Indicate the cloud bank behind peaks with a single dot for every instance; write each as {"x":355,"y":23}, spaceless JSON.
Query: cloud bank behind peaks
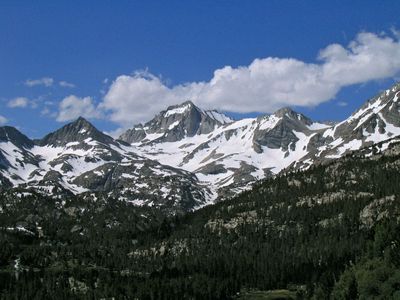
{"x":72,"y":107}
{"x":263,"y":86}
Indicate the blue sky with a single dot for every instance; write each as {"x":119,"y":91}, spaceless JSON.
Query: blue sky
{"x":173,"y":48}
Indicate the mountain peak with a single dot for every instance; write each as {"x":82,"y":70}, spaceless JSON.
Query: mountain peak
{"x":180,"y":109}
{"x":175,"y":123}
{"x":384,"y":102}
{"x":81,"y":122}
{"x":76,"y":131}
{"x":188,"y":107}
{"x":82,"y":119}
{"x":285,"y":111}
{"x":11,"y":134}
{"x":187,"y":102}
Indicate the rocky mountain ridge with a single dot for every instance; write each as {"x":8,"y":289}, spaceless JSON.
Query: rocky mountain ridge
{"x":235,"y":154}
{"x":187,"y":157}
{"x":79,"y":159}
{"x":176,"y":123}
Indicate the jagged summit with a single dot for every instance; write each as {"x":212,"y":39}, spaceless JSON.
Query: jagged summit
{"x":377,"y":120}
{"x":176,"y":123}
{"x":188,"y":104}
{"x":187,"y":107}
{"x":11,"y":134}
{"x":197,"y":146}
{"x":78,"y":158}
{"x":386,"y":97}
{"x":289,"y":113}
{"x":184,"y":108}
{"x":76,"y":131}
{"x":285,"y":111}
{"x":233,"y":154}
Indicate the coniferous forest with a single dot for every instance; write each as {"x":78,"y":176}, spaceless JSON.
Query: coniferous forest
{"x":330,"y":232}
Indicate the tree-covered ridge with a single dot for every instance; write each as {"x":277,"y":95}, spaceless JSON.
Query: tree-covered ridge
{"x":300,"y":230}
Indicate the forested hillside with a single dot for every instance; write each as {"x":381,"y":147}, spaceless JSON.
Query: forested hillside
{"x":331,"y":231}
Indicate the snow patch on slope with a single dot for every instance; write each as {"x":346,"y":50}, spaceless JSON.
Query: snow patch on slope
{"x":178,"y":110}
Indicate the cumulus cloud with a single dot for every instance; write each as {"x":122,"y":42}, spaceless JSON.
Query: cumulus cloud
{"x":3,"y":120}
{"x":20,"y":102}
{"x":265,"y":85}
{"x":73,"y":107}
{"x":45,"y":81}
{"x":66,"y":84}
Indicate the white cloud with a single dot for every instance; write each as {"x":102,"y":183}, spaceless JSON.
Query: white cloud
{"x":45,"y":111}
{"x":3,"y":120}
{"x":342,"y":103}
{"x":45,"y":81}
{"x":73,"y":107}
{"x":263,"y":86}
{"x":20,"y":102}
{"x":66,"y":84}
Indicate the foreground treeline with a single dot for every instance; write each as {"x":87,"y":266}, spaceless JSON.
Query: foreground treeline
{"x":329,"y":232}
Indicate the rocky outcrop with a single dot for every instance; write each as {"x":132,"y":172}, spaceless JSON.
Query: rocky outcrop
{"x":175,"y":123}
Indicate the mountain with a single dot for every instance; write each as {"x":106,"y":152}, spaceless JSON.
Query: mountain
{"x":14,"y":152}
{"x":377,"y":120}
{"x":79,"y":132}
{"x":233,"y":155}
{"x":175,"y":124}
{"x":187,"y":157}
{"x":230,"y":156}
{"x":329,"y":232}
{"x":308,"y":227}
{"x":78,"y":159}
{"x":86,"y":216}
{"x":10,"y":134}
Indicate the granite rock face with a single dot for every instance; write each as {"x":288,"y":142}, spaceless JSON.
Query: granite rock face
{"x":175,"y":123}
{"x":76,"y":132}
{"x":281,"y":135}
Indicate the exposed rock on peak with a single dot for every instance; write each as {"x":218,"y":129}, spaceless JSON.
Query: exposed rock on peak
{"x":188,"y":156}
{"x":79,"y":159}
{"x":285,"y":111}
{"x":176,"y":123}
{"x":234,"y":154}
{"x":11,"y":134}
{"x":76,"y":131}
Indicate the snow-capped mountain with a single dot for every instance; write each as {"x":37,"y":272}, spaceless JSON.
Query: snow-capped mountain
{"x":175,"y":124}
{"x":377,"y":120}
{"x":185,"y":157}
{"x":78,"y":158}
{"x":230,"y":155}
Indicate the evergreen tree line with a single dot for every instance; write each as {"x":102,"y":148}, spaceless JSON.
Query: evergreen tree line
{"x":330,"y":232}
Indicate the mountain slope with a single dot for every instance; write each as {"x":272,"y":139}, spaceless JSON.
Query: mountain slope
{"x":238,"y":153}
{"x":176,"y":123}
{"x":232,"y":155}
{"x":305,"y":226}
{"x":78,"y":158}
{"x":296,"y":231}
{"x":187,"y":157}
{"x":76,"y":132}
